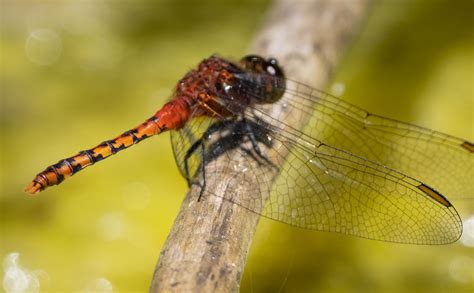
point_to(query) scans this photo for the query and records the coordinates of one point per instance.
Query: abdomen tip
(33, 187)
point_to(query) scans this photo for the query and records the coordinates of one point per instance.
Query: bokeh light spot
(467, 237)
(43, 46)
(338, 88)
(460, 269)
(111, 226)
(17, 279)
(99, 285)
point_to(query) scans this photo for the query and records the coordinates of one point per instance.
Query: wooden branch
(209, 242)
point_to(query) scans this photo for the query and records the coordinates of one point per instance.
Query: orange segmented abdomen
(173, 115)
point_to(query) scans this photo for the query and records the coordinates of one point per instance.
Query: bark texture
(208, 245)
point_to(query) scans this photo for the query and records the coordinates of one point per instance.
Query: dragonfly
(346, 170)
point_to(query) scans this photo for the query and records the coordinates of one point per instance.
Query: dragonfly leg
(243, 128)
(203, 172)
(188, 155)
(252, 138)
(200, 143)
(252, 155)
(250, 132)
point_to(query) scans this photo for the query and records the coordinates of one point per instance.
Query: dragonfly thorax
(221, 88)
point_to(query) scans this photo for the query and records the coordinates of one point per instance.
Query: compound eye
(258, 64)
(256, 59)
(274, 69)
(252, 62)
(271, 70)
(251, 59)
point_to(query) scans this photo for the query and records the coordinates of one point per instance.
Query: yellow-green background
(118, 63)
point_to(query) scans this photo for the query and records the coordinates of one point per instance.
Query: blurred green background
(75, 73)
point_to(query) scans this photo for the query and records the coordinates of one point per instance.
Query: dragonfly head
(269, 74)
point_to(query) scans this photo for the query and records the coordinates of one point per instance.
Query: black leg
(253, 140)
(200, 143)
(188, 155)
(240, 129)
(203, 172)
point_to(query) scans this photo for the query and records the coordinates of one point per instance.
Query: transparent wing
(443, 161)
(327, 189)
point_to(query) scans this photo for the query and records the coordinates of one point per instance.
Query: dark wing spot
(438, 197)
(469, 146)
